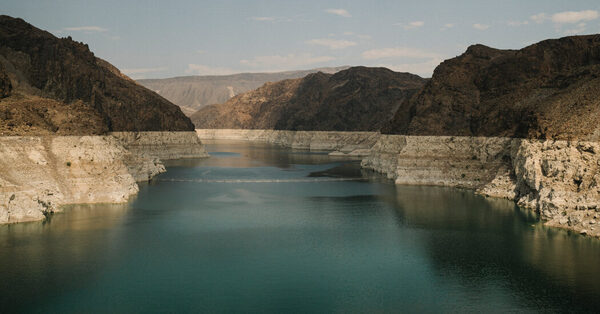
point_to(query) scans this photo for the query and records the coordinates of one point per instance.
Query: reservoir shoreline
(40, 174)
(559, 180)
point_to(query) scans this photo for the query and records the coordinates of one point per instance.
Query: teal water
(258, 228)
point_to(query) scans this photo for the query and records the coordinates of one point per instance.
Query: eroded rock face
(356, 99)
(73, 86)
(39, 174)
(549, 90)
(557, 179)
(163, 145)
(337, 143)
(560, 179)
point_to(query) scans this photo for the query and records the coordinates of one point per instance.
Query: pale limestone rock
(163, 145)
(349, 143)
(39, 174)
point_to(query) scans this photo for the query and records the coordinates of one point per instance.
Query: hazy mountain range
(194, 92)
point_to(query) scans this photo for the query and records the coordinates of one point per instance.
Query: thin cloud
(285, 62)
(340, 12)
(331, 43)
(90, 29)
(262, 18)
(580, 28)
(200, 69)
(480, 27)
(412, 25)
(539, 18)
(398, 52)
(447, 26)
(574, 17)
(567, 17)
(517, 23)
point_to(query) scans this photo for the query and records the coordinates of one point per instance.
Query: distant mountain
(550, 89)
(52, 85)
(356, 99)
(194, 92)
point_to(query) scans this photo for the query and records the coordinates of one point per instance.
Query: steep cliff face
(39, 174)
(549, 90)
(560, 180)
(356, 99)
(191, 93)
(55, 82)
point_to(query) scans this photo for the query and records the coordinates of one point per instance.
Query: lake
(259, 228)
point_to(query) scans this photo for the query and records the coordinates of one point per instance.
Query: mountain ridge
(191, 93)
(547, 90)
(355, 99)
(56, 85)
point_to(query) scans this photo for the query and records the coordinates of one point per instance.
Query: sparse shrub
(68, 164)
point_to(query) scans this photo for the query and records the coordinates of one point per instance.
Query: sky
(159, 39)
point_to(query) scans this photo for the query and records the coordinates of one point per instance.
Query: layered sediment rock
(163, 145)
(39, 174)
(339, 143)
(558, 179)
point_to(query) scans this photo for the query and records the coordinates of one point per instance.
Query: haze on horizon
(156, 39)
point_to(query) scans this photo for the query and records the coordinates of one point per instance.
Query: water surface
(256, 228)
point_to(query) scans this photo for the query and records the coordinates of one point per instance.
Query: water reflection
(38, 260)
(501, 244)
(245, 231)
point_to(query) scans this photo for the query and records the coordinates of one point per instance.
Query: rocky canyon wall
(38, 174)
(558, 179)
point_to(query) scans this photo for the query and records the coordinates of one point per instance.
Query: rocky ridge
(57, 104)
(548, 90)
(55, 85)
(191, 93)
(356, 99)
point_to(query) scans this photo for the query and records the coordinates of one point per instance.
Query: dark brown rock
(41, 66)
(547, 90)
(356, 99)
(5, 85)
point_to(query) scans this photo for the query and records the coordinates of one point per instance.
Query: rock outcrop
(337, 143)
(191, 93)
(549, 90)
(557, 179)
(356, 99)
(163, 145)
(39, 174)
(57, 86)
(54, 93)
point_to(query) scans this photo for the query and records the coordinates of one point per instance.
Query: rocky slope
(54, 94)
(356, 99)
(55, 85)
(39, 174)
(191, 93)
(549, 90)
(557, 179)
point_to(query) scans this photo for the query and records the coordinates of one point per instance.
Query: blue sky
(157, 39)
